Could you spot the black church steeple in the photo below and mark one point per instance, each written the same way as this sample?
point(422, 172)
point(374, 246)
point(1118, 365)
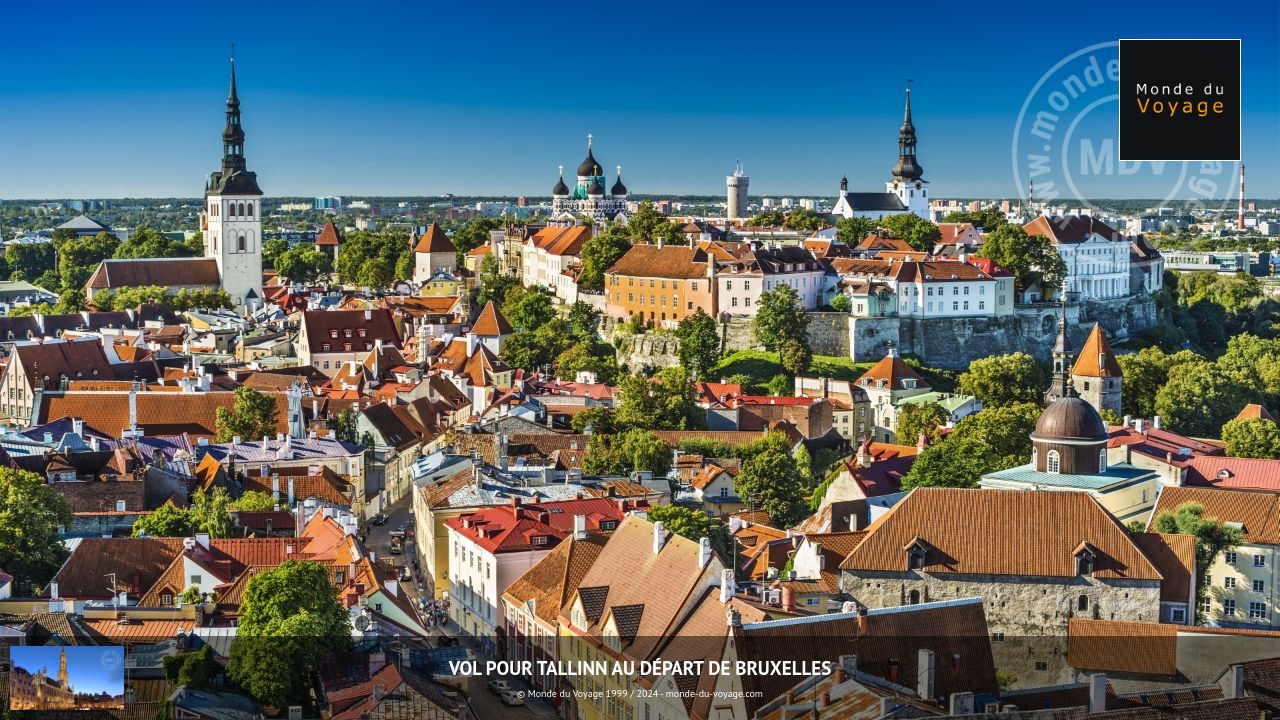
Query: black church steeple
point(233, 178)
point(907, 167)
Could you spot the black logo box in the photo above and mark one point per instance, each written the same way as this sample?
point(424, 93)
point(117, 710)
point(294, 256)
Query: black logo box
point(1187, 68)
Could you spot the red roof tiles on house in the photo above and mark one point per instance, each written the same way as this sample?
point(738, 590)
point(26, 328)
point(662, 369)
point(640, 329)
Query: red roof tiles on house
point(434, 240)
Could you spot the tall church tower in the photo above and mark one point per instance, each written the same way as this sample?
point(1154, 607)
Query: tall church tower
point(1060, 384)
point(233, 214)
point(907, 180)
point(64, 681)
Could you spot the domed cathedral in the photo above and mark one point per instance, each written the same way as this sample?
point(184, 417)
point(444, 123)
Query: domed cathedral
point(588, 196)
point(232, 216)
point(906, 190)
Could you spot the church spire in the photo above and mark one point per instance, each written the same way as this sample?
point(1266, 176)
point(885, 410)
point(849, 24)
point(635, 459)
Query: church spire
point(233, 133)
point(1060, 385)
point(907, 168)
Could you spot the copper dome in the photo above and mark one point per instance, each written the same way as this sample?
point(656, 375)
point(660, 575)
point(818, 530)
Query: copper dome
point(1070, 419)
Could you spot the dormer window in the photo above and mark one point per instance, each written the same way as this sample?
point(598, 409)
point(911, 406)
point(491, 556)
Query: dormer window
point(539, 539)
point(333, 333)
point(917, 554)
point(363, 332)
point(1086, 561)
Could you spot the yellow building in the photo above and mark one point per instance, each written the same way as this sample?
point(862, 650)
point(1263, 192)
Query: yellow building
point(1242, 581)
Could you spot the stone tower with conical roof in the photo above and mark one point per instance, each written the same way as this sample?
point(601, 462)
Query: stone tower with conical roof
point(1097, 375)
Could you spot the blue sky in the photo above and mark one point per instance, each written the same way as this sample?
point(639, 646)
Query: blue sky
point(90, 669)
point(488, 98)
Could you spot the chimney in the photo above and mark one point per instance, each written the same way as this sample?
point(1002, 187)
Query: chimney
point(1097, 692)
point(368, 315)
point(53, 590)
point(579, 527)
point(275, 489)
point(704, 552)
point(961, 704)
point(726, 585)
point(1139, 426)
point(735, 524)
point(659, 537)
point(471, 344)
point(77, 426)
point(848, 667)
point(1155, 421)
point(393, 587)
point(1233, 682)
point(926, 674)
point(291, 490)
point(202, 539)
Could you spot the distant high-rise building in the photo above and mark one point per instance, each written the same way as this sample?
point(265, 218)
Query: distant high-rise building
point(522, 201)
point(786, 202)
point(737, 184)
point(327, 203)
point(766, 202)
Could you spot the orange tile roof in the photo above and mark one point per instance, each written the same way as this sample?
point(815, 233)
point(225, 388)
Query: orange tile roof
point(491, 322)
point(1096, 358)
point(893, 370)
point(1175, 557)
point(1113, 646)
point(549, 583)
point(670, 261)
point(556, 240)
point(1254, 411)
point(1233, 472)
point(1023, 533)
point(1257, 510)
point(145, 631)
point(434, 241)
point(157, 413)
point(329, 235)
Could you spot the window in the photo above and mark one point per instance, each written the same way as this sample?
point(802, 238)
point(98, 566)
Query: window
point(340, 577)
point(120, 506)
point(811, 601)
point(1259, 586)
point(240, 243)
point(1102, 467)
point(1052, 462)
point(1178, 615)
point(997, 637)
point(250, 210)
point(1206, 605)
point(540, 540)
point(1259, 560)
point(1041, 665)
point(166, 599)
point(1230, 557)
point(195, 580)
point(914, 598)
point(1228, 607)
point(1228, 582)
point(1082, 603)
point(955, 305)
point(1257, 611)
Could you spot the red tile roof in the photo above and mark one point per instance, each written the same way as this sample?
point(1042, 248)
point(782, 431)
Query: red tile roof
point(670, 261)
point(556, 240)
point(165, 272)
point(893, 370)
point(329, 235)
point(491, 322)
point(513, 528)
point(167, 413)
point(1070, 228)
point(1233, 472)
point(45, 362)
point(434, 241)
point(1115, 646)
point(1254, 411)
point(358, 327)
point(1095, 358)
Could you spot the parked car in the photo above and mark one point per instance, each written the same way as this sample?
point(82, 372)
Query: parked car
point(379, 519)
point(500, 686)
point(511, 697)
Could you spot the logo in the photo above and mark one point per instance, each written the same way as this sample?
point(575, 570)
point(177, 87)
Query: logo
point(1065, 147)
point(1180, 100)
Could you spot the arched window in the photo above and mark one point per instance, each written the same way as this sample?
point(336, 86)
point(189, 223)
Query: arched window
point(1102, 460)
point(241, 210)
point(1052, 462)
point(240, 243)
point(914, 598)
point(1035, 455)
point(1082, 603)
point(249, 208)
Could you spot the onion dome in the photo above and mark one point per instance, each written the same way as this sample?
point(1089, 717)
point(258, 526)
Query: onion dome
point(560, 190)
point(588, 166)
point(619, 190)
point(596, 188)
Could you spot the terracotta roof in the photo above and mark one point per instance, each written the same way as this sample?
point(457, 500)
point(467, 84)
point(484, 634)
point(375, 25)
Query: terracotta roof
point(1159, 443)
point(1257, 511)
point(157, 413)
point(708, 475)
point(329, 235)
point(45, 363)
point(1175, 557)
point(326, 486)
point(1254, 411)
point(491, 322)
point(1113, 646)
point(1096, 358)
point(437, 495)
point(514, 528)
point(143, 560)
point(670, 261)
point(1262, 681)
point(1232, 472)
point(1023, 533)
point(165, 272)
point(1070, 228)
point(145, 631)
point(555, 240)
point(396, 425)
point(337, 327)
point(547, 586)
point(878, 242)
point(732, 437)
point(434, 241)
point(893, 370)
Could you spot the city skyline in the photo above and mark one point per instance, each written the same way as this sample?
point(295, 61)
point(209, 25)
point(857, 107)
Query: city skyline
point(90, 670)
point(419, 106)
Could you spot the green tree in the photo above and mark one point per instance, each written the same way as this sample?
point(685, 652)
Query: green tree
point(1024, 255)
point(29, 310)
point(603, 456)
point(253, 416)
point(780, 317)
point(795, 355)
point(665, 403)
point(376, 273)
point(1255, 438)
point(28, 261)
point(193, 669)
point(1212, 538)
point(588, 356)
point(768, 218)
point(699, 337)
point(1004, 433)
point(1199, 398)
point(343, 426)
point(31, 514)
point(493, 285)
point(272, 249)
point(693, 525)
point(77, 259)
point(600, 252)
point(988, 219)
point(953, 462)
point(1005, 379)
point(530, 310)
point(841, 303)
point(917, 418)
point(533, 350)
point(770, 481)
point(304, 263)
point(168, 520)
point(290, 622)
point(642, 450)
point(473, 235)
point(918, 232)
point(644, 222)
point(852, 231)
point(191, 596)
point(600, 419)
point(1256, 361)
point(583, 320)
point(254, 501)
point(1145, 372)
point(149, 243)
point(805, 220)
point(70, 301)
point(211, 512)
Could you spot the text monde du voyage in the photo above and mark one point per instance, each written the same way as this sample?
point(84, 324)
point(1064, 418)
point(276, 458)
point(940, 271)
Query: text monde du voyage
point(1180, 99)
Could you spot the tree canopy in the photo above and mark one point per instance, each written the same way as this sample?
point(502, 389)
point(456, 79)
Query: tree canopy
point(254, 416)
point(918, 232)
point(600, 253)
point(915, 419)
point(699, 337)
point(770, 480)
point(1024, 255)
point(1212, 536)
point(31, 515)
point(1005, 379)
point(781, 325)
point(304, 263)
point(664, 403)
point(1255, 438)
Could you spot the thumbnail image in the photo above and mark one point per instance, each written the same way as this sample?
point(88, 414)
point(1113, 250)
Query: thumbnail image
point(66, 678)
